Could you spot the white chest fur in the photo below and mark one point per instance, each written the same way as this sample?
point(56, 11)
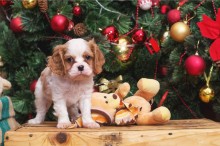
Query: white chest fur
point(70, 91)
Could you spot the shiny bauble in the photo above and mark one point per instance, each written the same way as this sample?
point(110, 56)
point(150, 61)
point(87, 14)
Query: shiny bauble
point(110, 32)
point(173, 16)
point(16, 25)
point(139, 36)
point(33, 85)
point(195, 65)
point(179, 31)
point(77, 11)
point(165, 36)
point(145, 4)
point(206, 94)
point(70, 26)
point(5, 2)
point(163, 71)
point(155, 3)
point(59, 23)
point(164, 9)
point(29, 4)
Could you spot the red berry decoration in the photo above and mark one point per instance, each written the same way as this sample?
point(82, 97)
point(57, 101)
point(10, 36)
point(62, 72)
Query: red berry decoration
point(139, 36)
point(59, 23)
point(173, 16)
point(77, 11)
point(195, 65)
point(164, 9)
point(110, 32)
point(16, 24)
point(33, 85)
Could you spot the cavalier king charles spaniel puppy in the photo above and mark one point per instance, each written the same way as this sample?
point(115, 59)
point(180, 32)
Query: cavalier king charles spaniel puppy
point(67, 82)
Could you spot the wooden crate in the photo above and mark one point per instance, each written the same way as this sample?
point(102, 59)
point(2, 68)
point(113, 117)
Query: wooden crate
point(198, 132)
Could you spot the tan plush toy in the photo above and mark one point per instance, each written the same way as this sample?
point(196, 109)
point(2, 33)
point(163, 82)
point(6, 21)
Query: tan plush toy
point(113, 109)
point(148, 88)
point(4, 85)
point(104, 105)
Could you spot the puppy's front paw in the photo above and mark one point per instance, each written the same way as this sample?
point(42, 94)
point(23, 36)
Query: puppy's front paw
point(63, 125)
point(35, 121)
point(91, 124)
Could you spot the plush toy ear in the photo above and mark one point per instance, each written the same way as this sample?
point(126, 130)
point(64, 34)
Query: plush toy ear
point(99, 59)
point(56, 61)
point(148, 88)
point(123, 90)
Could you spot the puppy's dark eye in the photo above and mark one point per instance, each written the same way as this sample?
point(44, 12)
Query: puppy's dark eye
point(69, 60)
point(87, 57)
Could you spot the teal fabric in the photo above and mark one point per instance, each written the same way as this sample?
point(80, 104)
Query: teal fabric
point(5, 108)
point(4, 127)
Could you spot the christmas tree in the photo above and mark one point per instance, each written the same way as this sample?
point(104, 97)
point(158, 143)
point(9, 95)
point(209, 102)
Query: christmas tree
point(175, 42)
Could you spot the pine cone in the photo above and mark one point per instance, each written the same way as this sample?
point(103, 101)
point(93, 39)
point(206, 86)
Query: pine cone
point(80, 29)
point(43, 5)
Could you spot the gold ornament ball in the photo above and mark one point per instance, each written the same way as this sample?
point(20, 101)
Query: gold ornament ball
point(29, 4)
point(179, 31)
point(123, 49)
point(206, 94)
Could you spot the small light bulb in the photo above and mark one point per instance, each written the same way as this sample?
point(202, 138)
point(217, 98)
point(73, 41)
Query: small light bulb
point(122, 44)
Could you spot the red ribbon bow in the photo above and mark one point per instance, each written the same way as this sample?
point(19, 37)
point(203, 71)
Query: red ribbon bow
point(211, 29)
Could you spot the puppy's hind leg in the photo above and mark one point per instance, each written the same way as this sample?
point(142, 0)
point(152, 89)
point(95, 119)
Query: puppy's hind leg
point(41, 108)
point(42, 105)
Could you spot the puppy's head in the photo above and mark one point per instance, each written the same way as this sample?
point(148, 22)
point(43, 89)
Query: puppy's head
point(77, 59)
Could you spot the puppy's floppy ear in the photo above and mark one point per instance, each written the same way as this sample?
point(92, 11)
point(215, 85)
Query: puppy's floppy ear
point(56, 61)
point(99, 58)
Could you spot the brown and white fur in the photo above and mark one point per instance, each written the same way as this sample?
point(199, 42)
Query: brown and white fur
point(67, 81)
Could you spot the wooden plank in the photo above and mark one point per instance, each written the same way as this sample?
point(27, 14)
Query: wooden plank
point(200, 132)
point(173, 124)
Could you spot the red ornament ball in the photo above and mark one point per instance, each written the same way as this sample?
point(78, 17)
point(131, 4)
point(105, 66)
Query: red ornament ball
point(5, 2)
point(77, 11)
point(110, 32)
point(163, 71)
point(164, 9)
point(33, 85)
point(155, 2)
point(70, 26)
point(139, 36)
point(195, 65)
point(59, 23)
point(173, 16)
point(16, 24)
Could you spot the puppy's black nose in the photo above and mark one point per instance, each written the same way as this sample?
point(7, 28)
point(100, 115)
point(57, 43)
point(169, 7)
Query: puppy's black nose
point(81, 68)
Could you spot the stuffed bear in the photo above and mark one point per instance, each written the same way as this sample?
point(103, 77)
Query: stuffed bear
point(113, 109)
point(105, 106)
point(147, 89)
